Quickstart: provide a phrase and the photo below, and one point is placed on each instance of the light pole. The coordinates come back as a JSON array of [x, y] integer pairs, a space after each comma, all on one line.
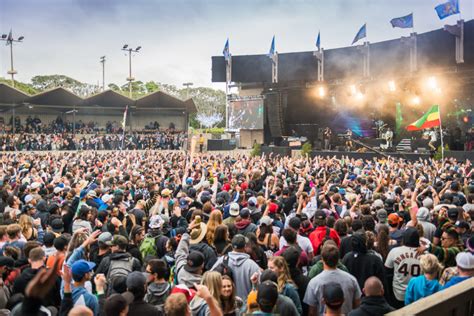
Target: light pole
[[187, 85], [10, 40], [102, 61], [130, 78]]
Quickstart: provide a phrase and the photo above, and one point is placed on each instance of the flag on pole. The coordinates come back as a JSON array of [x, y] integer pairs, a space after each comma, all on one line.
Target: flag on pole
[[124, 121], [226, 51], [271, 52], [398, 117], [428, 120], [404, 22], [318, 41], [448, 8], [361, 34]]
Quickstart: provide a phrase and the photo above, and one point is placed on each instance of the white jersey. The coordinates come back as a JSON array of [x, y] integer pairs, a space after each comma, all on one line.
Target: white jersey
[[405, 263], [433, 136]]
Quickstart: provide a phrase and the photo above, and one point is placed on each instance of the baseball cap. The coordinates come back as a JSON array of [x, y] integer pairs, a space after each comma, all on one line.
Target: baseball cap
[[28, 198], [333, 294], [166, 193], [320, 214], [183, 289], [423, 214], [57, 225], [377, 204], [35, 185], [48, 238], [92, 193], [239, 241], [194, 261], [107, 197], [462, 224], [120, 241], [136, 280], [6, 262], [106, 238], [465, 260], [252, 201], [267, 293], [183, 203], [245, 213], [295, 223], [81, 267], [266, 220], [394, 218], [57, 190], [234, 209], [453, 213], [382, 215], [156, 222], [428, 202], [411, 237], [272, 208]]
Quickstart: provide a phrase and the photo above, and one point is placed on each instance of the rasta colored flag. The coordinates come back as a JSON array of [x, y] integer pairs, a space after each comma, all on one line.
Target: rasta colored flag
[[428, 120]]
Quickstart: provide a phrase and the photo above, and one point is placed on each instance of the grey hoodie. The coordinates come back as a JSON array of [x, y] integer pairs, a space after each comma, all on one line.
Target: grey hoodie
[[157, 293], [242, 268], [185, 277]]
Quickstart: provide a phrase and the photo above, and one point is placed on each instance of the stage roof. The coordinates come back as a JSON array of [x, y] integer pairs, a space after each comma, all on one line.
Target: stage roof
[[436, 50], [65, 99]]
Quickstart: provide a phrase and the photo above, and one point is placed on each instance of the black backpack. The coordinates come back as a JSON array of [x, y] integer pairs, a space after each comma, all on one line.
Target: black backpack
[[224, 269]]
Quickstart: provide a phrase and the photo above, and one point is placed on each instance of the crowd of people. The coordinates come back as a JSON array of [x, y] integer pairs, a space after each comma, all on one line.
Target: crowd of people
[[154, 233], [169, 139]]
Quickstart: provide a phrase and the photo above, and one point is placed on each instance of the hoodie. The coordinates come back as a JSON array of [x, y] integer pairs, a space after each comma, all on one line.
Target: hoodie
[[420, 287], [199, 307], [157, 293], [80, 296], [242, 268], [362, 264], [183, 276], [372, 306], [246, 226]]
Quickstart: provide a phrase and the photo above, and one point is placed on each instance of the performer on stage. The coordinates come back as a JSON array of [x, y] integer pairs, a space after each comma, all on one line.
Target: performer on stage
[[433, 139], [327, 138], [389, 137], [349, 143]]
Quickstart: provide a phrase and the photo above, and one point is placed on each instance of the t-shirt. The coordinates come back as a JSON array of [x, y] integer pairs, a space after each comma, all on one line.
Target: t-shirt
[[302, 241], [406, 264], [348, 283]]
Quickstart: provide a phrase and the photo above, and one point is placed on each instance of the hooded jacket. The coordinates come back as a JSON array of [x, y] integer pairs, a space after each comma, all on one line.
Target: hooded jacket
[[362, 264], [182, 252], [199, 307], [420, 287], [157, 293], [105, 263], [246, 226], [210, 256], [242, 268], [372, 306]]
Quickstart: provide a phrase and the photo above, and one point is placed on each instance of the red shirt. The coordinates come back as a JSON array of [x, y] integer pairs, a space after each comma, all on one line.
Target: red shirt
[[318, 235]]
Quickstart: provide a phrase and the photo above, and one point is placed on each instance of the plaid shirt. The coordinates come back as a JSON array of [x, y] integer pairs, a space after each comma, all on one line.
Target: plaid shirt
[[448, 273]]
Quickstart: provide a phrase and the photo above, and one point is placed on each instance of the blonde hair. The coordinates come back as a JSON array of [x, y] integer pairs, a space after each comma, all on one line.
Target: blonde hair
[[429, 264], [284, 276], [213, 281], [215, 219]]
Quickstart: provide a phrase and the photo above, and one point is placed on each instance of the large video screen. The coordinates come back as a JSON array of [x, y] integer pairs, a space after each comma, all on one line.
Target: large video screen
[[246, 114]]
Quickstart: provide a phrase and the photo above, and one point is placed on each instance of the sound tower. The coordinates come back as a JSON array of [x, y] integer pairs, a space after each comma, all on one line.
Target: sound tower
[[274, 107]]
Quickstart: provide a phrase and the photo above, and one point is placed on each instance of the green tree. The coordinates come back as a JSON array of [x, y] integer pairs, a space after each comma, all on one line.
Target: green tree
[[24, 87]]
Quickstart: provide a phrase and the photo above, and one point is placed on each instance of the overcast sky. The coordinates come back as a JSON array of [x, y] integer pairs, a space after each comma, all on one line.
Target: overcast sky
[[178, 37]]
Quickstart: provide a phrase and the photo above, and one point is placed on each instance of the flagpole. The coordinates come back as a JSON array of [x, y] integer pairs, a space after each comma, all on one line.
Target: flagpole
[[441, 132]]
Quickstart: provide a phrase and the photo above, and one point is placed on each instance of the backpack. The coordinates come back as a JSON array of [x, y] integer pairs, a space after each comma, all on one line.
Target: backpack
[[224, 269], [148, 246], [119, 268]]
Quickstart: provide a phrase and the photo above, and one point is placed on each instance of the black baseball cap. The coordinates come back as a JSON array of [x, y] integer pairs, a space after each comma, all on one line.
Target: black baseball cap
[[295, 223], [453, 213], [57, 225], [333, 295], [194, 261], [239, 241], [267, 294], [245, 213], [320, 214]]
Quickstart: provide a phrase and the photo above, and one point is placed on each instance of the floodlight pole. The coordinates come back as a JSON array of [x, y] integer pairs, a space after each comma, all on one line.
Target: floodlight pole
[[130, 79], [102, 61], [10, 40]]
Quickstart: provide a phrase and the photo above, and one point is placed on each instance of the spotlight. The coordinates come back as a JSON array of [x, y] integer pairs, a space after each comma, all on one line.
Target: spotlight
[[21, 38], [465, 119], [432, 83], [359, 95], [353, 89], [125, 46], [391, 86], [321, 92], [416, 100]]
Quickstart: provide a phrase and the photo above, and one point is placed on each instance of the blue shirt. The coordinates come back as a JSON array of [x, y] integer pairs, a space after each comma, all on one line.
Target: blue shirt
[[455, 280], [80, 296], [420, 287]]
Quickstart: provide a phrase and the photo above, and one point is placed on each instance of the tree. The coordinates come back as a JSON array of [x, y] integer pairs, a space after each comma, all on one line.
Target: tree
[[42, 83], [24, 87]]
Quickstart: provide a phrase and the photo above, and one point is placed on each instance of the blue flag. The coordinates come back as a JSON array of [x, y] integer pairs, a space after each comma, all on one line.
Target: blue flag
[[448, 8], [361, 34], [271, 52], [226, 51], [404, 22], [318, 41]]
